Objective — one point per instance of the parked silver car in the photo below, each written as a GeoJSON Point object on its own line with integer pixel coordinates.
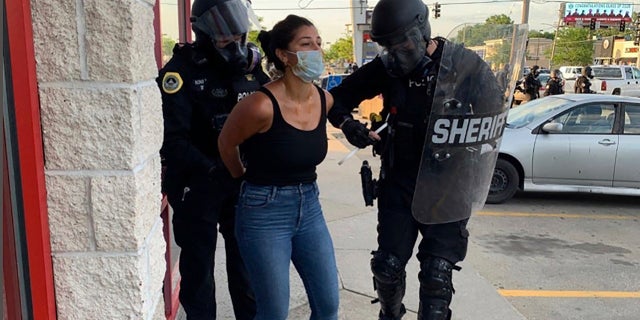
{"type": "Point", "coordinates": [585, 142]}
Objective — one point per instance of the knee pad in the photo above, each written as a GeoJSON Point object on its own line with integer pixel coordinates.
{"type": "Point", "coordinates": [389, 282]}
{"type": "Point", "coordinates": [387, 268]}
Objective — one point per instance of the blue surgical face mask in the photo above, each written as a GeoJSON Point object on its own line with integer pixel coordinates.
{"type": "Point", "coordinates": [310, 65]}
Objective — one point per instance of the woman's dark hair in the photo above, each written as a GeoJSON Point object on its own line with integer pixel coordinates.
{"type": "Point", "coordinates": [280, 36]}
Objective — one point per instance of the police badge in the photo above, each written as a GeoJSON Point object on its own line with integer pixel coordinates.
{"type": "Point", "coordinates": [171, 82]}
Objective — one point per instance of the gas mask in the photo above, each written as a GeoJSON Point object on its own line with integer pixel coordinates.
{"type": "Point", "coordinates": [404, 54]}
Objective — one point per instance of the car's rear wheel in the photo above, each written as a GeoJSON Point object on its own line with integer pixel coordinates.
{"type": "Point", "coordinates": [504, 182]}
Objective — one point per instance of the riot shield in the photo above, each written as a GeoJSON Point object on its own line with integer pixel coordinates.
{"type": "Point", "coordinates": [514, 69]}
{"type": "Point", "coordinates": [468, 115]}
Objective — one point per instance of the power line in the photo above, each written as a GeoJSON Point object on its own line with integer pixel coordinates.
{"type": "Point", "coordinates": [371, 7]}
{"type": "Point", "coordinates": [442, 4]}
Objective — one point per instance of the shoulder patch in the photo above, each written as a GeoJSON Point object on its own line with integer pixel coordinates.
{"type": "Point", "coordinates": [171, 82]}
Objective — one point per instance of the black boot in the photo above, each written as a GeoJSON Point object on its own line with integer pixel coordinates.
{"type": "Point", "coordinates": [436, 289]}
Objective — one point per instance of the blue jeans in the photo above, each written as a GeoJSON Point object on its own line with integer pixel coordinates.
{"type": "Point", "coordinates": [276, 225]}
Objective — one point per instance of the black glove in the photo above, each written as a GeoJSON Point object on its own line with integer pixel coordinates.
{"type": "Point", "coordinates": [357, 133]}
{"type": "Point", "coordinates": [218, 171]}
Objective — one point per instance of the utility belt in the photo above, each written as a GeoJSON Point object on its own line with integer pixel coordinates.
{"type": "Point", "coordinates": [401, 142]}
{"type": "Point", "coordinates": [400, 148]}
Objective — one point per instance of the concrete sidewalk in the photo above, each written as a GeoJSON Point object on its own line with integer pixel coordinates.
{"type": "Point", "coordinates": [353, 228]}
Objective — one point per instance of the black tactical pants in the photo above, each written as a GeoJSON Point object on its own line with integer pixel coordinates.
{"type": "Point", "coordinates": [197, 212]}
{"type": "Point", "coordinates": [398, 230]}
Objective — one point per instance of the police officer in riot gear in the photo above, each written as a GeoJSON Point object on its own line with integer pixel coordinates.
{"type": "Point", "coordinates": [405, 73]}
{"type": "Point", "coordinates": [200, 85]}
{"type": "Point", "coordinates": [532, 84]}
{"type": "Point", "coordinates": [583, 84]}
{"type": "Point", "coordinates": [554, 84]}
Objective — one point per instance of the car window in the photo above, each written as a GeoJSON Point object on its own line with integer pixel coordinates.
{"type": "Point", "coordinates": [609, 73]}
{"type": "Point", "coordinates": [543, 78]}
{"type": "Point", "coordinates": [632, 119]}
{"type": "Point", "coordinates": [636, 73]}
{"type": "Point", "coordinates": [526, 113]}
{"type": "Point", "coordinates": [628, 73]}
{"type": "Point", "coordinates": [570, 72]}
{"type": "Point", "coordinates": [591, 118]}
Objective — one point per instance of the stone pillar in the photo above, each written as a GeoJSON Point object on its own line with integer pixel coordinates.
{"type": "Point", "coordinates": [102, 129]}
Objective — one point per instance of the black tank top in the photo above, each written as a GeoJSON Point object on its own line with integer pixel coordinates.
{"type": "Point", "coordinates": [285, 155]}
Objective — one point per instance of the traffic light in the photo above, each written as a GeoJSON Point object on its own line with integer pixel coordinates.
{"type": "Point", "coordinates": [436, 10]}
{"type": "Point", "coordinates": [592, 24]}
{"type": "Point", "coordinates": [622, 26]}
{"type": "Point", "coordinates": [636, 41]}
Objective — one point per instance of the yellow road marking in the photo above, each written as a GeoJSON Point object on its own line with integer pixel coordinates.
{"type": "Point", "coordinates": [569, 294]}
{"type": "Point", "coordinates": [556, 215]}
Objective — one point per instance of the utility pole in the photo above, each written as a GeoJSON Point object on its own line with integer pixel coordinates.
{"type": "Point", "coordinates": [359, 25]}
{"type": "Point", "coordinates": [555, 37]}
{"type": "Point", "coordinates": [525, 11]}
{"type": "Point", "coordinates": [525, 20]}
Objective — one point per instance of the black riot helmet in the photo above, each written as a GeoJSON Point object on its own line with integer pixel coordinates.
{"type": "Point", "coordinates": [222, 22]}
{"type": "Point", "coordinates": [587, 72]}
{"type": "Point", "coordinates": [402, 28]}
{"type": "Point", "coordinates": [535, 70]}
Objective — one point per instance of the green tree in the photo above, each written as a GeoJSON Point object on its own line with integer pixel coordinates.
{"type": "Point", "coordinates": [167, 45]}
{"type": "Point", "coordinates": [540, 34]}
{"type": "Point", "coordinates": [499, 19]}
{"type": "Point", "coordinates": [573, 47]}
{"type": "Point", "coordinates": [495, 27]}
{"type": "Point", "coordinates": [340, 51]}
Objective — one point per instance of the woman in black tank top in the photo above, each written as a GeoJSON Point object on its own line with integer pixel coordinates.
{"type": "Point", "coordinates": [281, 131]}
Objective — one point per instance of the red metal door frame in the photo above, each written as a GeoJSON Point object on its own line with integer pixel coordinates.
{"type": "Point", "coordinates": [31, 158]}
{"type": "Point", "coordinates": [10, 271]}
{"type": "Point", "coordinates": [172, 275]}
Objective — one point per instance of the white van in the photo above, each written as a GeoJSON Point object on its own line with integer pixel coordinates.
{"type": "Point", "coordinates": [571, 72]}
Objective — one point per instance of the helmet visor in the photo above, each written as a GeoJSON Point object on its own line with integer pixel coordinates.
{"type": "Point", "coordinates": [224, 20]}
{"type": "Point", "coordinates": [402, 55]}
{"type": "Point", "coordinates": [235, 52]}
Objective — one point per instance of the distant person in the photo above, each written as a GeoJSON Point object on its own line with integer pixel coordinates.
{"type": "Point", "coordinates": [531, 83]}
{"type": "Point", "coordinates": [349, 68]}
{"type": "Point", "coordinates": [503, 78]}
{"type": "Point", "coordinates": [583, 82]}
{"type": "Point", "coordinates": [554, 84]}
{"type": "Point", "coordinates": [354, 67]}
{"type": "Point", "coordinates": [282, 130]}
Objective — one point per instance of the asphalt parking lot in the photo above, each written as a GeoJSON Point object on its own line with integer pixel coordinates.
{"type": "Point", "coordinates": [562, 255]}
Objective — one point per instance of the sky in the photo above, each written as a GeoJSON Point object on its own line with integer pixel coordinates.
{"type": "Point", "coordinates": [332, 16]}
{"type": "Point", "coordinates": [543, 15]}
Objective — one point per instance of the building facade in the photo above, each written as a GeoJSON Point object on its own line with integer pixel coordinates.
{"type": "Point", "coordinates": [83, 234]}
